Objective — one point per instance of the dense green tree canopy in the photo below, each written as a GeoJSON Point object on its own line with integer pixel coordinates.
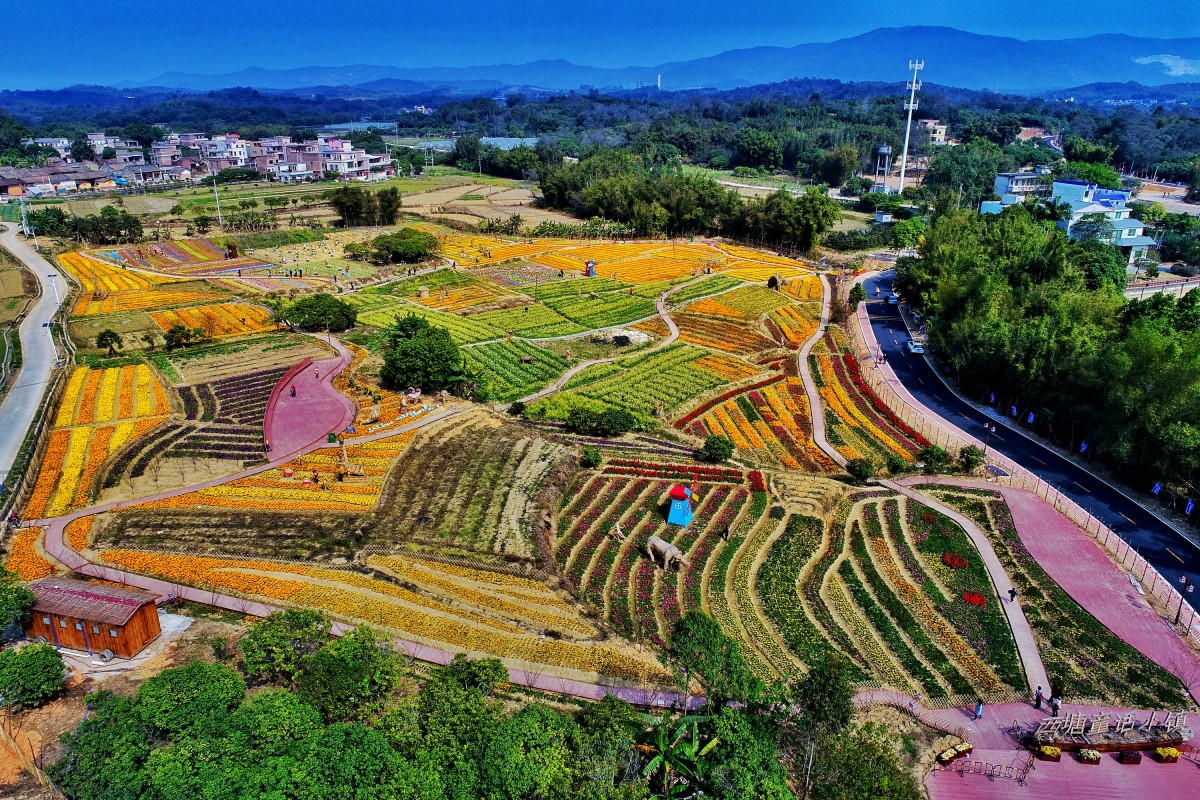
{"type": "Point", "coordinates": [30, 676]}
{"type": "Point", "coordinates": [320, 312]}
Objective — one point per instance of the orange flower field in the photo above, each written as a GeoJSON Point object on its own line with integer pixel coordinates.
{"type": "Point", "coordinates": [25, 560]}
{"type": "Point", "coordinates": [218, 319]}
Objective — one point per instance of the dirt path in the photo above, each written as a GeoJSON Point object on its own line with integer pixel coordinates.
{"type": "Point", "coordinates": [816, 410]}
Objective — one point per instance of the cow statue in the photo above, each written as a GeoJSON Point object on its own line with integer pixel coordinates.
{"type": "Point", "coordinates": [657, 548]}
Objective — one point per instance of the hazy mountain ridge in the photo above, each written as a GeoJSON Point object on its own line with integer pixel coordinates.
{"type": "Point", "coordinates": [952, 57]}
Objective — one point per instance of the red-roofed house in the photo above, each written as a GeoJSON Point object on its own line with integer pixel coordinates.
{"type": "Point", "coordinates": [93, 616]}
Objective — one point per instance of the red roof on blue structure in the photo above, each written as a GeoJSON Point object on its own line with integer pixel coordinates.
{"type": "Point", "coordinates": [680, 493]}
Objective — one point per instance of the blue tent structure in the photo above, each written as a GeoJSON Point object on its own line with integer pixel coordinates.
{"type": "Point", "coordinates": [681, 506]}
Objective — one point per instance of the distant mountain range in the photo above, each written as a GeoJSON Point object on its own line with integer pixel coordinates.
{"type": "Point", "coordinates": [952, 58]}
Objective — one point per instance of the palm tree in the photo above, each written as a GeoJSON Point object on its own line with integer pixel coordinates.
{"type": "Point", "coordinates": [110, 339]}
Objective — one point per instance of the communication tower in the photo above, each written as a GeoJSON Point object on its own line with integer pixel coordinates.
{"type": "Point", "coordinates": [913, 87]}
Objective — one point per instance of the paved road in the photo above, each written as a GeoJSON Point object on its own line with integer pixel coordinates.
{"type": "Point", "coordinates": [20, 403]}
{"type": "Point", "coordinates": [1168, 551]}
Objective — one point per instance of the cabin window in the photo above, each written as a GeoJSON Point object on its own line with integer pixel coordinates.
{"type": "Point", "coordinates": [78, 626]}
{"type": "Point", "coordinates": [95, 629]}
{"type": "Point", "coordinates": [112, 633]}
{"type": "Point", "coordinates": [62, 623]}
{"type": "Point", "coordinates": [45, 620]}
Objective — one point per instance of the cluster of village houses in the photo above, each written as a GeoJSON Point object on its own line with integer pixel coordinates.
{"type": "Point", "coordinates": [185, 157]}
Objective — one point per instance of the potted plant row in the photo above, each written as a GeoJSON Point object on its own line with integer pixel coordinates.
{"type": "Point", "coordinates": [1167, 755]}
{"type": "Point", "coordinates": [1088, 756]}
{"type": "Point", "coordinates": [1131, 757]}
{"type": "Point", "coordinates": [1049, 753]}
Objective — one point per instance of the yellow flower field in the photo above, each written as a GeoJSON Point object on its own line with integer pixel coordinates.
{"type": "Point", "coordinates": [356, 597]}
{"type": "Point", "coordinates": [100, 277]}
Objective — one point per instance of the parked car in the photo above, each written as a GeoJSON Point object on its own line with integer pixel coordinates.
{"type": "Point", "coordinates": [893, 299]}
{"type": "Point", "coordinates": [915, 347]}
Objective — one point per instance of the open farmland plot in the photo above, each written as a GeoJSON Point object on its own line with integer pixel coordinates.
{"type": "Point", "coordinates": [613, 573]}
{"type": "Point", "coordinates": [218, 320]}
{"type": "Point", "coordinates": [869, 586]}
{"type": "Point", "coordinates": [225, 360]}
{"type": "Point", "coordinates": [594, 302]}
{"type": "Point", "coordinates": [469, 483]}
{"type": "Point", "coordinates": [465, 330]}
{"type": "Point", "coordinates": [449, 290]}
{"type": "Point", "coordinates": [531, 321]}
{"type": "Point", "coordinates": [463, 610]}
{"type": "Point", "coordinates": [101, 410]}
{"type": "Point", "coordinates": [666, 378]}
{"type": "Point", "coordinates": [727, 335]}
{"type": "Point", "coordinates": [768, 421]}
{"type": "Point", "coordinates": [222, 422]}
{"type": "Point", "coordinates": [1081, 655]}
{"type": "Point", "coordinates": [793, 325]}
{"type": "Point", "coordinates": [863, 424]}
{"type": "Point", "coordinates": [515, 369]}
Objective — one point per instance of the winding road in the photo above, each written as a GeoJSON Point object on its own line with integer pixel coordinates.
{"type": "Point", "coordinates": [1168, 550]}
{"type": "Point", "coordinates": [20, 404]}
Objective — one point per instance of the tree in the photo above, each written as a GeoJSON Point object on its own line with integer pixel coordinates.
{"type": "Point", "coordinates": [857, 295]}
{"type": "Point", "coordinates": [81, 150]}
{"type": "Point", "coordinates": [110, 339]}
{"type": "Point", "coordinates": [717, 449]}
{"type": "Point", "coordinates": [346, 677]}
{"type": "Point", "coordinates": [837, 165]}
{"type": "Point", "coordinates": [275, 647]}
{"type": "Point", "coordinates": [1150, 213]}
{"type": "Point", "coordinates": [104, 757]}
{"type": "Point", "coordinates": [178, 336]}
{"type": "Point", "coordinates": [193, 699]}
{"type": "Point", "coordinates": [15, 600]}
{"type": "Point", "coordinates": [108, 153]}
{"type": "Point", "coordinates": [707, 652]}
{"type": "Point", "coordinates": [907, 233]}
{"type": "Point", "coordinates": [202, 223]}
{"type": "Point", "coordinates": [320, 312]}
{"type": "Point", "coordinates": [934, 458]}
{"type": "Point", "coordinates": [1093, 228]}
{"type": "Point", "coordinates": [591, 458]}
{"type": "Point", "coordinates": [30, 677]}
{"type": "Point", "coordinates": [824, 701]}
{"type": "Point", "coordinates": [1102, 264]}
{"type": "Point", "coordinates": [422, 355]}
{"type": "Point", "coordinates": [1099, 174]}
{"type": "Point", "coordinates": [745, 761]}
{"type": "Point", "coordinates": [405, 246]}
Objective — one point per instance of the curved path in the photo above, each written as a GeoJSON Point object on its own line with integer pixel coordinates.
{"type": "Point", "coordinates": [816, 410]}
{"type": "Point", "coordinates": [921, 387]}
{"type": "Point", "coordinates": [318, 409]}
{"type": "Point", "coordinates": [20, 404]}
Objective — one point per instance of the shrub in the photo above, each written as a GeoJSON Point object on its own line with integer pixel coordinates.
{"type": "Point", "coordinates": [517, 408]}
{"type": "Point", "coordinates": [896, 463]}
{"type": "Point", "coordinates": [30, 676]}
{"type": "Point", "coordinates": [717, 449]}
{"type": "Point", "coordinates": [861, 469]}
{"type": "Point", "coordinates": [591, 458]}
{"type": "Point", "coordinates": [970, 458]}
{"type": "Point", "coordinates": [934, 458]}
{"type": "Point", "coordinates": [194, 697]}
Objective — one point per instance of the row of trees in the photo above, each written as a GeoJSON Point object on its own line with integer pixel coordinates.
{"type": "Point", "coordinates": [405, 246]}
{"type": "Point", "coordinates": [1019, 312]}
{"type": "Point", "coordinates": [657, 199]}
{"type": "Point", "coordinates": [358, 206]}
{"type": "Point", "coordinates": [111, 226]}
{"type": "Point", "coordinates": [337, 718]}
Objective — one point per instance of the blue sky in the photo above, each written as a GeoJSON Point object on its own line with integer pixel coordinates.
{"type": "Point", "coordinates": [138, 39]}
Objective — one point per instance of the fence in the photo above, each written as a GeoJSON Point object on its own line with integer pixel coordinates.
{"type": "Point", "coordinates": [938, 432]}
{"type": "Point", "coordinates": [1018, 771]}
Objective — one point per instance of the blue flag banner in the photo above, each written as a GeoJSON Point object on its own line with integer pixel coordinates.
{"type": "Point", "coordinates": [993, 398]}
{"type": "Point", "coordinates": [1083, 447]}
{"type": "Point", "coordinates": [1030, 419]}
{"type": "Point", "coordinates": [1190, 506]}
{"type": "Point", "coordinates": [1013, 409]}
{"type": "Point", "coordinates": [1157, 488]}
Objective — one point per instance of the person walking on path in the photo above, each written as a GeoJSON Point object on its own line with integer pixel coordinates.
{"type": "Point", "coordinates": [1037, 698]}
{"type": "Point", "coordinates": [293, 391]}
{"type": "Point", "coordinates": [979, 709]}
{"type": "Point", "coordinates": [1012, 595]}
{"type": "Point", "coordinates": [317, 374]}
{"type": "Point", "coordinates": [1054, 704]}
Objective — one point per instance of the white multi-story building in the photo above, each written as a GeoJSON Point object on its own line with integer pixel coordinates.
{"type": "Point", "coordinates": [1087, 199]}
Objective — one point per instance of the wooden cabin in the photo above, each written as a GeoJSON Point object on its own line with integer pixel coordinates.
{"type": "Point", "coordinates": [93, 617]}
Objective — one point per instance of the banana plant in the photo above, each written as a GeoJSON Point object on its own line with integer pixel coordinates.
{"type": "Point", "coordinates": [676, 755]}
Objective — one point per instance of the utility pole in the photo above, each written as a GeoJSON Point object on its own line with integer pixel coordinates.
{"type": "Point", "coordinates": [220, 220]}
{"type": "Point", "coordinates": [910, 106]}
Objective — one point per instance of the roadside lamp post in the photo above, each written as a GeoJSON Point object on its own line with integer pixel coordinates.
{"type": "Point", "coordinates": [990, 429]}
{"type": "Point", "coordinates": [1189, 587]}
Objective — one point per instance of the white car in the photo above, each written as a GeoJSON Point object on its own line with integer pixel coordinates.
{"type": "Point", "coordinates": [915, 347]}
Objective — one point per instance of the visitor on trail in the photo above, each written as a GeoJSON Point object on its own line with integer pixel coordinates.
{"type": "Point", "coordinates": [317, 374]}
{"type": "Point", "coordinates": [293, 391]}
{"type": "Point", "coordinates": [268, 444]}
{"type": "Point", "coordinates": [1054, 704]}
{"type": "Point", "coordinates": [877, 291]}
{"type": "Point", "coordinates": [1012, 595]}
{"type": "Point", "coordinates": [979, 709]}
{"type": "Point", "coordinates": [725, 534]}
{"type": "Point", "coordinates": [1037, 698]}
{"type": "Point", "coordinates": [912, 704]}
